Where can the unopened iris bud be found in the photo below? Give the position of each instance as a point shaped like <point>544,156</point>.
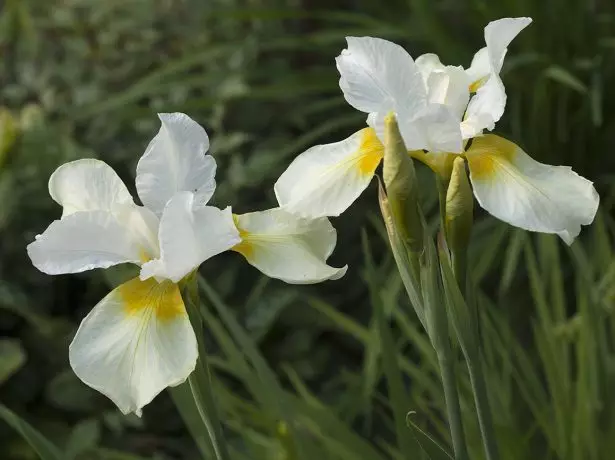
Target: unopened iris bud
<point>400,183</point>
<point>459,207</point>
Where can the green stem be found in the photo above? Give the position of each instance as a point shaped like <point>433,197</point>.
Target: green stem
<point>451,394</point>
<point>477,380</point>
<point>200,380</point>
<point>474,363</point>
<point>442,185</point>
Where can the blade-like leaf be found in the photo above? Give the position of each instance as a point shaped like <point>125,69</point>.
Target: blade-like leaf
<point>43,447</point>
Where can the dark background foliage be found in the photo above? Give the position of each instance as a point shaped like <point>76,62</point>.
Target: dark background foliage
<point>84,78</point>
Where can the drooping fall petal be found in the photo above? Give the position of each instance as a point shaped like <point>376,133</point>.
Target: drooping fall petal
<point>326,179</point>
<point>287,247</point>
<point>86,240</point>
<point>534,196</point>
<point>135,343</point>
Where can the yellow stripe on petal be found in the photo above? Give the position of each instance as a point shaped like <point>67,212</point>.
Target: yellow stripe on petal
<point>134,343</point>
<point>475,86</point>
<point>371,152</point>
<point>245,248</point>
<point>488,155</point>
<point>287,247</point>
<point>325,179</point>
<point>534,196</point>
<point>163,298</point>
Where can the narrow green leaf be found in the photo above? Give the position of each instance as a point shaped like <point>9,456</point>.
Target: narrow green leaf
<point>398,398</point>
<point>276,402</point>
<point>184,402</point>
<point>43,447</point>
<point>565,78</point>
<point>429,445</point>
<point>200,381</point>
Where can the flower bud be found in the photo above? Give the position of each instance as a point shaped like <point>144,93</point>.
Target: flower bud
<point>459,207</point>
<point>401,188</point>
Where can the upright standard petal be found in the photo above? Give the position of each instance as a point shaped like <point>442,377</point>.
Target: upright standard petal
<point>485,108</point>
<point>88,185</point>
<point>377,75</point>
<point>434,128</point>
<point>287,247</point>
<point>487,105</point>
<point>513,187</point>
<point>176,160</point>
<point>190,234</point>
<point>83,241</point>
<point>446,85</point>
<point>499,34</point>
<point>136,342</point>
<point>326,179</point>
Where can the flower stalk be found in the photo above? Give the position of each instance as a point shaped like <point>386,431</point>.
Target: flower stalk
<point>200,381</point>
<point>457,227</point>
<point>419,262</point>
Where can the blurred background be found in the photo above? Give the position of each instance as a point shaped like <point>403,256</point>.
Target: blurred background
<point>85,78</point>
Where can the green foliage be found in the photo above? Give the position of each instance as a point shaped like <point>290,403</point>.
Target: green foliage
<point>300,372</point>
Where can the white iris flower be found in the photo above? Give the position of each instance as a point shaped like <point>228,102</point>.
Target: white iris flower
<point>138,340</point>
<point>439,109</point>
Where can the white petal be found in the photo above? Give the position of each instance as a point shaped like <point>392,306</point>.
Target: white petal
<point>379,76</point>
<point>527,194</point>
<point>479,69</point>
<point>499,34</point>
<point>326,179</point>
<point>287,247</point>
<point>176,160</point>
<point>485,108</point>
<point>189,235</point>
<point>435,128</point>
<point>136,342</point>
<point>82,241</point>
<point>487,105</point>
<point>449,87</point>
<point>87,185</point>
<point>428,63</point>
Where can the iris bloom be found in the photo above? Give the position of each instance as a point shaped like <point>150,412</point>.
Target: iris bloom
<point>442,111</point>
<point>138,339</point>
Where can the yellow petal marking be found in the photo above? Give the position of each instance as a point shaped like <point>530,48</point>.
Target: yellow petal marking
<point>245,248</point>
<point>475,86</point>
<point>489,154</point>
<point>371,152</point>
<point>163,299</point>
<point>144,256</point>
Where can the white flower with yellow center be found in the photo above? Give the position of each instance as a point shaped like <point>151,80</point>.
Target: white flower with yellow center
<point>138,340</point>
<point>438,116</point>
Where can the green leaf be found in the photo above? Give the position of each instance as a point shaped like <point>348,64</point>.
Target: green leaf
<point>398,397</point>
<point>274,392</point>
<point>184,402</point>
<point>200,381</point>
<point>43,447</point>
<point>429,445</point>
<point>565,78</point>
<point>12,358</point>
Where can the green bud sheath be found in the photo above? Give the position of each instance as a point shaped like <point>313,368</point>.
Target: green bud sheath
<point>400,183</point>
<point>459,208</point>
